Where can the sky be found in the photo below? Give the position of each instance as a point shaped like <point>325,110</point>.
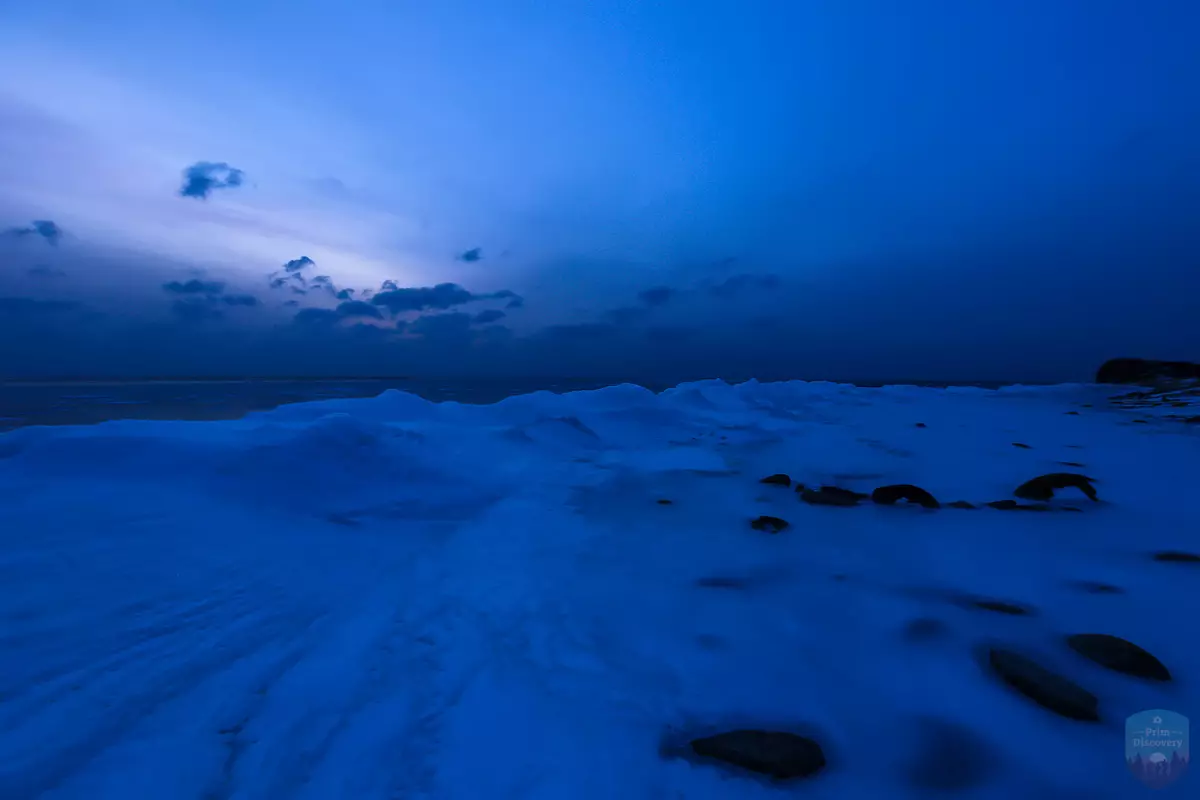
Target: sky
<point>820,189</point>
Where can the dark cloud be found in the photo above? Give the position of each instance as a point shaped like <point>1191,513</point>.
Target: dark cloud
<point>248,300</point>
<point>472,255</point>
<point>297,264</point>
<point>322,280</point>
<point>358,308</point>
<point>516,302</point>
<point>351,309</point>
<point>389,286</point>
<point>44,228</point>
<point>657,296</point>
<point>204,177</point>
<point>489,316</point>
<point>440,297</point>
<point>194,286</point>
<point>345,294</point>
<point>583,331</point>
<point>42,271</point>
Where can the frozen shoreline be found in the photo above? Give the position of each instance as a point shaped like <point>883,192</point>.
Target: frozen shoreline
<point>389,597</point>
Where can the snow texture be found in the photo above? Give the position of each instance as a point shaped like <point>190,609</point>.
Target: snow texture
<point>391,598</point>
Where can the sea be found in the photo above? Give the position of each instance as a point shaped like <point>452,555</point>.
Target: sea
<point>24,403</point>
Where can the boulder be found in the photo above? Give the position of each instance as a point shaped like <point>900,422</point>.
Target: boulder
<point>832,496</point>
<point>1119,655</point>
<point>778,754</point>
<point>890,495</point>
<point>1047,689</point>
<point>1043,486</point>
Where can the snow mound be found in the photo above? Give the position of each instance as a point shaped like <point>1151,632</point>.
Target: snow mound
<point>549,596</point>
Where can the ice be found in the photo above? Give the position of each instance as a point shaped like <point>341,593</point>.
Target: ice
<point>387,597</point>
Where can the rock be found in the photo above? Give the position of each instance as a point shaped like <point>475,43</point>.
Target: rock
<point>1071,413</point>
<point>1043,486</point>
<point>769,524</point>
<point>1138,370</point>
<point>778,754</point>
<point>1177,557</point>
<point>1013,505</point>
<point>961,504</point>
<point>777,480</point>
<point>1119,655</point>
<point>949,757</point>
<point>999,606</point>
<point>889,495</point>
<point>1047,689</point>
<point>1140,422</point>
<point>1075,464</point>
<point>831,496</point>
<point>921,425</point>
<point>664,502</point>
<point>1021,445</point>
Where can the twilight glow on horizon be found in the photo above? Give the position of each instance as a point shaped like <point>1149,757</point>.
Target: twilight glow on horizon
<point>999,190</point>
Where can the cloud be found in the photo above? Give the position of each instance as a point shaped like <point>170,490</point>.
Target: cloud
<point>248,300</point>
<point>657,296</point>
<point>489,316</point>
<point>440,297</point>
<point>43,271</point>
<point>351,309</point>
<point>194,286</point>
<point>625,316</point>
<point>297,264</point>
<point>46,229</point>
<point>345,294</point>
<point>203,177</point>
<point>472,255</point>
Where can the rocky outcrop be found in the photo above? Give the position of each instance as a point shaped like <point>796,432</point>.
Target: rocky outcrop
<point>769,524</point>
<point>890,495</point>
<point>779,479</point>
<point>1043,486</point>
<point>1139,370</point>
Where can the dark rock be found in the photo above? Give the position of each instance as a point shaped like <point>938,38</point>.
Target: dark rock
<point>1075,464</point>
<point>1071,413</point>
<point>1138,370</point>
<point>961,504</point>
<point>1177,557</point>
<point>1119,655</point>
<point>832,496</point>
<point>1047,689</point>
<point>949,757</point>
<point>889,495</point>
<point>1140,422</point>
<point>921,425</point>
<point>664,502</point>
<point>1043,486</point>
<point>769,524</point>
<point>1021,445</point>
<point>1013,505</point>
<point>999,606</point>
<point>777,480</point>
<point>778,754</point>
<point>1096,587</point>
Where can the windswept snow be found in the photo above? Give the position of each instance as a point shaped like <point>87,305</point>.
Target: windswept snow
<point>391,598</point>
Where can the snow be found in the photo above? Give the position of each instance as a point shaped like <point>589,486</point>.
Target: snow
<point>389,598</point>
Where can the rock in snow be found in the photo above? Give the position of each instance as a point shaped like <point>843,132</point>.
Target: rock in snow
<point>778,754</point>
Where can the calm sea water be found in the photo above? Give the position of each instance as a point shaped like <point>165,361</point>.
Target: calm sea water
<point>84,403</point>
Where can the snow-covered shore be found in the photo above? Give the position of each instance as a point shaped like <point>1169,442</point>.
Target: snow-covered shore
<point>542,597</point>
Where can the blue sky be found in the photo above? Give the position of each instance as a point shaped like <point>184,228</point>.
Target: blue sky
<point>852,189</point>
